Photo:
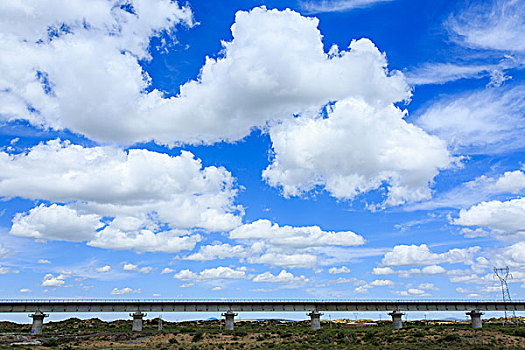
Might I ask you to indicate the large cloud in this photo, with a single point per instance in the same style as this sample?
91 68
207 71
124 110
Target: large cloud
275 67
506 219
357 148
414 255
76 64
139 190
294 237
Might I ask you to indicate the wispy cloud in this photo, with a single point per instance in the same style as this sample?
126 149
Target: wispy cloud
495 25
337 5
488 121
441 73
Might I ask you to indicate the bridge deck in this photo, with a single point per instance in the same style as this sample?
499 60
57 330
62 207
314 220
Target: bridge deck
181 305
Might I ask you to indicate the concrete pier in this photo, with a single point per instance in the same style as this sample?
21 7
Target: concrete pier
137 321
475 317
229 318
315 317
397 322
38 321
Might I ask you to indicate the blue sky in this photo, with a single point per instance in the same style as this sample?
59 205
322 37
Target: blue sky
261 149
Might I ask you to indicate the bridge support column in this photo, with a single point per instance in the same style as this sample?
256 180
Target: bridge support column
38 321
315 319
137 321
475 317
397 322
229 318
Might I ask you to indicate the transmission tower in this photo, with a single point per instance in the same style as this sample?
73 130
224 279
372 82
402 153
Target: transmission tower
503 274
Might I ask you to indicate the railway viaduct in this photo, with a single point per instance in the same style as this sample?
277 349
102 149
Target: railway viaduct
230 307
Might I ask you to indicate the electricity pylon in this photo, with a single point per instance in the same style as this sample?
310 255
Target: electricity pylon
503 274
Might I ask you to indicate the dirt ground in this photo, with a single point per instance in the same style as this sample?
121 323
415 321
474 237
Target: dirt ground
96 334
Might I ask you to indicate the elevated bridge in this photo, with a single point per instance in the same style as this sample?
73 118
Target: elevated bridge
229 307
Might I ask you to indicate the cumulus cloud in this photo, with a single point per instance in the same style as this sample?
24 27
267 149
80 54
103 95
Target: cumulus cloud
495 25
414 255
105 268
382 271
295 237
63 63
25 290
140 190
487 121
283 277
125 290
167 270
268 72
411 292
358 148
50 280
505 219
55 222
427 270
364 288
336 270
133 267
218 273
284 259
218 251
43 261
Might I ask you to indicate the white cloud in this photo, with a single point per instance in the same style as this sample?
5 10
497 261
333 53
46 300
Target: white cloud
495 25
510 181
336 270
382 271
218 251
411 292
25 290
295 237
414 255
171 241
440 73
43 261
513 255
358 148
320 6
4 251
139 189
268 72
427 286
125 290
4 270
432 270
167 270
382 283
483 188
105 268
216 289
50 280
55 222
283 277
130 267
133 267
218 273
487 121
504 219
290 260
67 60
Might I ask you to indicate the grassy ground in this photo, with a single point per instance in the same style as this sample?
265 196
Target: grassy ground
96 334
